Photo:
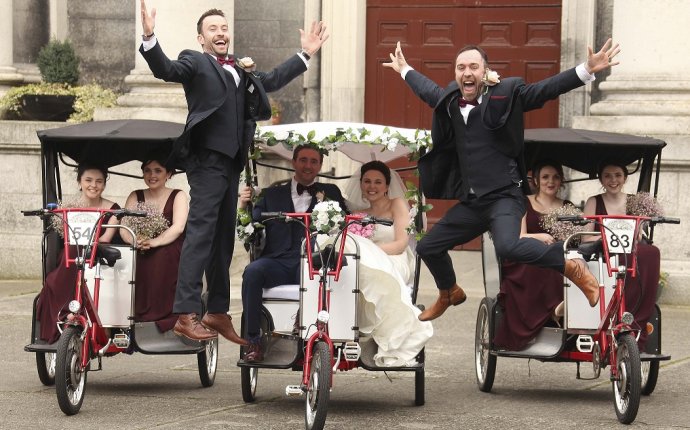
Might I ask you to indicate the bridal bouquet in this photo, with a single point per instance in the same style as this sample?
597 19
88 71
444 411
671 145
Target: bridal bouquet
365 231
150 226
561 230
327 216
643 204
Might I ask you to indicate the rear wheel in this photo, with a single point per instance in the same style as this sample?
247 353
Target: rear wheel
70 376
208 362
484 361
626 387
319 387
250 377
45 364
649 374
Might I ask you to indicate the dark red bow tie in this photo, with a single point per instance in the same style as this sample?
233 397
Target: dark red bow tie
230 61
462 102
311 189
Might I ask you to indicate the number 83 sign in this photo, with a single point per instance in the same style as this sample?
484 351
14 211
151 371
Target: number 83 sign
620 235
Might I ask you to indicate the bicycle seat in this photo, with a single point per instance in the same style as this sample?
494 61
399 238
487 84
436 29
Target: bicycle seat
590 250
327 254
108 254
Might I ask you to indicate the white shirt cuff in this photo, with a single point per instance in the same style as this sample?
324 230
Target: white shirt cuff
583 74
404 70
148 44
306 62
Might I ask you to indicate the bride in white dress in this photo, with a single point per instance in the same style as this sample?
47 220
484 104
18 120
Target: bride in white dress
386 268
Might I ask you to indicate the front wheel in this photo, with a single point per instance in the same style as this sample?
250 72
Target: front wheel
319 387
70 376
484 361
626 387
45 365
208 362
650 374
250 378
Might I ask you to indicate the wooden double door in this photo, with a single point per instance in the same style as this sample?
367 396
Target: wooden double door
521 38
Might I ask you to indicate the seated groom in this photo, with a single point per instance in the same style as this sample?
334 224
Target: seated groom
279 262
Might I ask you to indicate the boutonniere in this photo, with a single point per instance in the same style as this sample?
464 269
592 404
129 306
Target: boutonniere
491 78
247 64
320 196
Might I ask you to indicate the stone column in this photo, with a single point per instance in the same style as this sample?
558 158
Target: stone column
8 73
59 23
152 98
649 94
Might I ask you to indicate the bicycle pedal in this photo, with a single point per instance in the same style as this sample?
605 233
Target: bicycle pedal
585 343
352 351
293 391
121 340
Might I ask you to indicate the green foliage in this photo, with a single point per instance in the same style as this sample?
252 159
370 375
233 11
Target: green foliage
58 63
88 98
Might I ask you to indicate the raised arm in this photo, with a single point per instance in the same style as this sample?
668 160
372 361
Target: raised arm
148 21
423 87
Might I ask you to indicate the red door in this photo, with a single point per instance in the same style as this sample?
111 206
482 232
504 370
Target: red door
521 38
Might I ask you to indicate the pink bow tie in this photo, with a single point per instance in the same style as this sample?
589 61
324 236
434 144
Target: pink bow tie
229 61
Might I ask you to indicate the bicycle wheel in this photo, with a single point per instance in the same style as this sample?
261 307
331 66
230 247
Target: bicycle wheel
208 362
45 365
319 387
250 377
626 387
484 361
650 374
70 376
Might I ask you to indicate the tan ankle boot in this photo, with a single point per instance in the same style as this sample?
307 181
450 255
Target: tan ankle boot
576 270
453 296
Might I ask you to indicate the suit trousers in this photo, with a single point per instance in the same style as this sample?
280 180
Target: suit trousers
263 273
210 237
498 212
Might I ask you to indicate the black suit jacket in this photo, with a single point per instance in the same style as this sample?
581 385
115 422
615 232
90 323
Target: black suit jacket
284 239
207 86
502 113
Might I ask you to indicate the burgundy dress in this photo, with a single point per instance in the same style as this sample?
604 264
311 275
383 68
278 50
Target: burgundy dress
640 292
57 292
156 279
528 295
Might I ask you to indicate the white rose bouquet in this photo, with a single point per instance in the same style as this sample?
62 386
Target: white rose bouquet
327 216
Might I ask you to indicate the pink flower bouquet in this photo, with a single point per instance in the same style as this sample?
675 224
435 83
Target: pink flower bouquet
360 230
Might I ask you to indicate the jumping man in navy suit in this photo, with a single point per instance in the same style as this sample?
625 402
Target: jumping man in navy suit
224 101
477 157
279 262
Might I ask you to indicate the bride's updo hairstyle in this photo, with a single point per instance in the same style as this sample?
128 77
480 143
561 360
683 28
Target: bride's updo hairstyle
378 166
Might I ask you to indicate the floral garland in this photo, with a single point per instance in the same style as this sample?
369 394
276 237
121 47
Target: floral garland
643 204
245 228
150 226
561 230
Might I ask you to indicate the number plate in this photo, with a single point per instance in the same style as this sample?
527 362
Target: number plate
620 235
81 226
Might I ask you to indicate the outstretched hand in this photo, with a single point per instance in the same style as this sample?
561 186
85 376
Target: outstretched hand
603 59
312 41
148 22
398 60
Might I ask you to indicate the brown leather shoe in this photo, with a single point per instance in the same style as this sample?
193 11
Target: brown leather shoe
576 270
188 326
255 353
222 323
453 296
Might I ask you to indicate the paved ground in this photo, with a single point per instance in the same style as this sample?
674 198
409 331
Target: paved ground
163 392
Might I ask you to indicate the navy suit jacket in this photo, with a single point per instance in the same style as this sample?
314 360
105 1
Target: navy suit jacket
284 239
207 86
502 113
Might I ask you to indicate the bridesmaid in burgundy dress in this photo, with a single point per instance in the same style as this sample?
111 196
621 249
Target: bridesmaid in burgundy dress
59 285
640 292
159 257
529 294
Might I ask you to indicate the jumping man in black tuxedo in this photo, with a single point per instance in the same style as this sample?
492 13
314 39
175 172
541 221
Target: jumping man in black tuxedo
279 261
477 157
224 101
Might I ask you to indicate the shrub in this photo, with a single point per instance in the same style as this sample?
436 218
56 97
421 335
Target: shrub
58 63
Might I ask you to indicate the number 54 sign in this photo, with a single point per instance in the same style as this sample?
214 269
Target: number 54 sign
81 226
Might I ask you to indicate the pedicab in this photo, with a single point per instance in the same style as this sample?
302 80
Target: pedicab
99 321
326 336
606 334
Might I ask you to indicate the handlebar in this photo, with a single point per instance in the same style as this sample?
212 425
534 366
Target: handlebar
664 220
575 219
583 220
373 220
119 213
287 216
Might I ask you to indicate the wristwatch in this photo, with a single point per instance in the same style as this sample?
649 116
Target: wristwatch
305 54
